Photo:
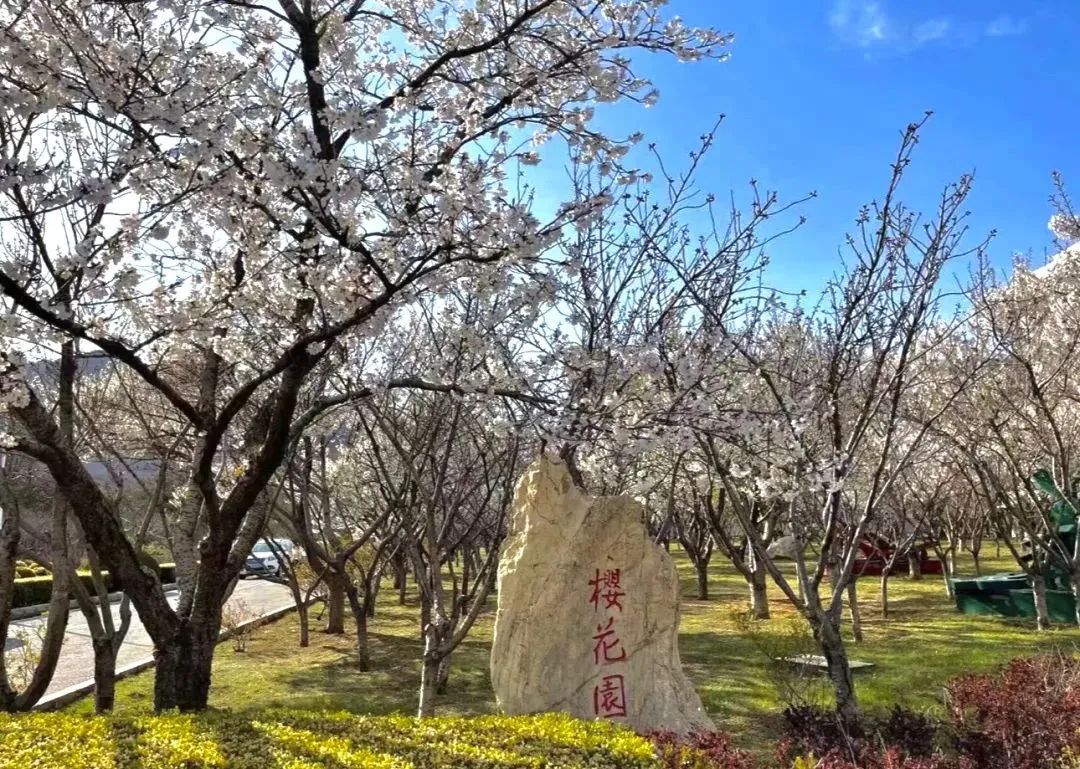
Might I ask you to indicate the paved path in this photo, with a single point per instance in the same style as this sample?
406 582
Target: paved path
77 658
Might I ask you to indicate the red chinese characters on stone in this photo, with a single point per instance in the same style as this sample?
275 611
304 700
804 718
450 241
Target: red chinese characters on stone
607 646
609 697
606 587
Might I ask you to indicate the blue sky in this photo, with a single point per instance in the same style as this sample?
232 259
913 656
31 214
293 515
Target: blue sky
816 93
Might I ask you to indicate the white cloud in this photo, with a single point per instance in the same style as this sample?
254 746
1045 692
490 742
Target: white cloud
859 22
931 29
868 24
1006 26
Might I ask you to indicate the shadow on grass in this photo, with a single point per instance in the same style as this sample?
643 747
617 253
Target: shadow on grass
390 686
241 744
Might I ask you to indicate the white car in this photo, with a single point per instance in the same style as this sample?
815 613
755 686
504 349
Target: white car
263 561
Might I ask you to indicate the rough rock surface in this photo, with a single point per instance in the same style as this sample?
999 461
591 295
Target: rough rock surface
588 612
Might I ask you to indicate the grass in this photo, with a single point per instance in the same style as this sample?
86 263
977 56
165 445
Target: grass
916 650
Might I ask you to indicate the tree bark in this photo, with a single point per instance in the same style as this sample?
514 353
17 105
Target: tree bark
702 569
363 653
370 601
443 680
978 563
401 578
335 604
1074 580
853 610
1042 614
104 675
305 624
759 593
183 670
947 573
831 642
360 618
429 677
914 566
885 593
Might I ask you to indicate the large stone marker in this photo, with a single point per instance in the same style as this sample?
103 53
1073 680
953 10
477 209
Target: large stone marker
588 613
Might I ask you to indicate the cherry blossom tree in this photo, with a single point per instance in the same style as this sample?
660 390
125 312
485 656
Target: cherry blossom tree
851 397
270 181
1019 420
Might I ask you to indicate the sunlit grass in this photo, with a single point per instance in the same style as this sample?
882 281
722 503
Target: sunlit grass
922 644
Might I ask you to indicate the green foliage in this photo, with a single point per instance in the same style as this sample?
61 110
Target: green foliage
923 644
36 588
305 740
30 591
27 569
168 573
158 552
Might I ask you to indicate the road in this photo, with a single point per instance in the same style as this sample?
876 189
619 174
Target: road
76 663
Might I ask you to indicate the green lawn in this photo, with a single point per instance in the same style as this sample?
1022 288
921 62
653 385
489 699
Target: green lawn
922 644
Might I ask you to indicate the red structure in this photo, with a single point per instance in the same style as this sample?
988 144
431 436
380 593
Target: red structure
875 552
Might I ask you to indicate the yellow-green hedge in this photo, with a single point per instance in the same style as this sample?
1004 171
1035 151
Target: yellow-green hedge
34 590
307 740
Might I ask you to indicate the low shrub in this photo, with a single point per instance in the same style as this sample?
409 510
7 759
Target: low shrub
28 569
1025 717
901 739
916 734
168 573
699 750
888 758
817 731
237 622
36 588
29 591
306 740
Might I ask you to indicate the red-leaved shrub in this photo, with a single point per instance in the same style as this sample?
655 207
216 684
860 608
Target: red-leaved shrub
699 750
1021 718
892 758
819 732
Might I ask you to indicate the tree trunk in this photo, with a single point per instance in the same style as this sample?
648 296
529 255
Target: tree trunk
360 618
443 680
1042 614
429 680
182 677
363 655
853 610
425 613
702 569
759 593
885 593
947 572
1074 579
104 675
914 566
305 624
978 564
839 670
335 605
401 579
